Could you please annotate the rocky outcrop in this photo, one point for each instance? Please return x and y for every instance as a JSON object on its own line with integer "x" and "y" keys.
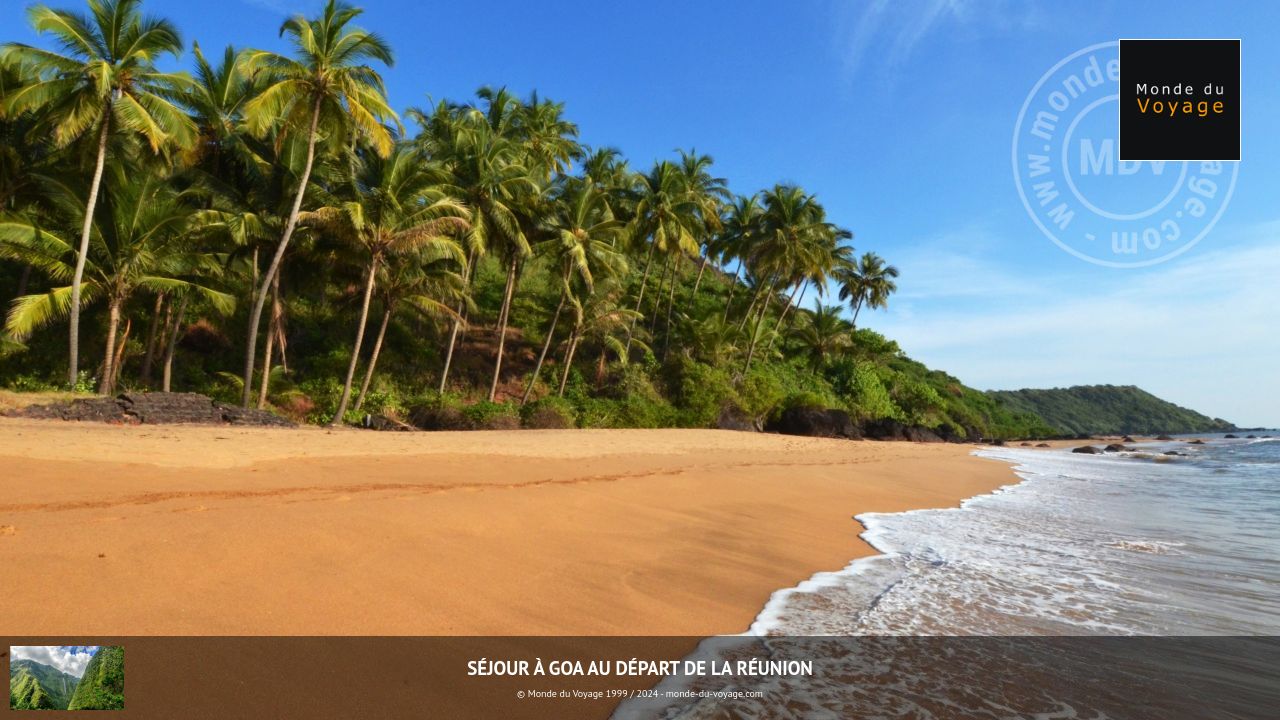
{"x": 815, "y": 422}
{"x": 1087, "y": 450}
{"x": 153, "y": 409}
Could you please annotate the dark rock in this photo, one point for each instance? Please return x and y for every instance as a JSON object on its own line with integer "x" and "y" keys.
{"x": 154, "y": 409}
{"x": 1025, "y": 444}
{"x": 1250, "y": 437}
{"x": 170, "y": 408}
{"x": 1229, "y": 436}
{"x": 1126, "y": 438}
{"x": 236, "y": 415}
{"x": 1173, "y": 452}
{"x": 915, "y": 433}
{"x": 884, "y": 429}
{"x": 815, "y": 422}
{"x": 1195, "y": 442}
{"x": 735, "y": 418}
{"x": 1042, "y": 445}
{"x": 1164, "y": 437}
{"x": 1087, "y": 450}
{"x": 1115, "y": 447}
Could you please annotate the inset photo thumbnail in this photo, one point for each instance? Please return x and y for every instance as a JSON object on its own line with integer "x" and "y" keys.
{"x": 66, "y": 677}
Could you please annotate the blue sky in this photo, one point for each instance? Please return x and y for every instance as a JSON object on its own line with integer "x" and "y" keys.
{"x": 899, "y": 115}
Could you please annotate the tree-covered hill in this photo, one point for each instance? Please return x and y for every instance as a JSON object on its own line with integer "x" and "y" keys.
{"x": 1108, "y": 409}
{"x": 260, "y": 228}
{"x": 36, "y": 686}
{"x": 102, "y": 687}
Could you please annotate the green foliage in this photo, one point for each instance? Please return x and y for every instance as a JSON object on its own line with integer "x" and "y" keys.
{"x": 1107, "y": 409}
{"x": 102, "y": 687}
{"x": 863, "y": 392}
{"x": 700, "y": 392}
{"x": 36, "y": 686}
{"x": 486, "y": 415}
{"x": 549, "y": 413}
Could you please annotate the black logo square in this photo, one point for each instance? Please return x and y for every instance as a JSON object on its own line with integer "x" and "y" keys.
{"x": 1179, "y": 99}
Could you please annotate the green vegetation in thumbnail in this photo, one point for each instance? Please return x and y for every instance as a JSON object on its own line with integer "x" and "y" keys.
{"x": 36, "y": 686}
{"x": 102, "y": 687}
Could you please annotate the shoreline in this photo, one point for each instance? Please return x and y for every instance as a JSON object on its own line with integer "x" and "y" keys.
{"x": 346, "y": 532}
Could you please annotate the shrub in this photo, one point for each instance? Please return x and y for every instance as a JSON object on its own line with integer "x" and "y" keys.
{"x": 486, "y": 415}
{"x": 549, "y": 413}
{"x": 701, "y": 393}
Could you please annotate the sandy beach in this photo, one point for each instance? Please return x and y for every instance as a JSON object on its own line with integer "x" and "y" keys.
{"x": 173, "y": 530}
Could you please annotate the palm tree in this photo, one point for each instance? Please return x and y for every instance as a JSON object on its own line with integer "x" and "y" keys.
{"x": 823, "y": 334}
{"x": 481, "y": 147}
{"x": 398, "y": 209}
{"x": 429, "y": 281}
{"x": 791, "y": 226}
{"x": 104, "y": 81}
{"x": 868, "y": 283}
{"x": 709, "y": 194}
{"x": 666, "y": 217}
{"x": 735, "y": 243}
{"x": 580, "y": 242}
{"x": 327, "y": 87}
{"x": 141, "y": 241}
{"x": 601, "y": 320}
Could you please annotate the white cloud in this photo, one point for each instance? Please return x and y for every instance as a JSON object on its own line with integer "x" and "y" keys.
{"x": 1199, "y": 331}
{"x": 70, "y": 659}
{"x": 891, "y": 31}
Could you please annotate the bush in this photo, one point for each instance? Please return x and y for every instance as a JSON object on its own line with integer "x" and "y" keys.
{"x": 549, "y": 413}
{"x": 701, "y": 393}
{"x": 486, "y": 415}
{"x": 864, "y": 393}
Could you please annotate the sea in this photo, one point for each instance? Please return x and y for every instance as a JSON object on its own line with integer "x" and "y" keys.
{"x": 1129, "y": 543}
{"x": 1135, "y": 584}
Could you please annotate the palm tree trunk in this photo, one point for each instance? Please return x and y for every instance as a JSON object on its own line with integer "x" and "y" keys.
{"x": 174, "y": 333}
{"x": 755, "y": 334}
{"x": 373, "y": 359}
{"x": 568, "y": 361}
{"x": 657, "y": 306}
{"x": 144, "y": 376}
{"x": 856, "y": 309}
{"x": 545, "y": 346}
{"x": 23, "y": 281}
{"x": 764, "y": 290}
{"x": 783, "y": 317}
{"x": 121, "y": 346}
{"x": 355, "y": 351}
{"x": 671, "y": 302}
{"x": 503, "y": 316}
{"x": 255, "y": 318}
{"x": 83, "y": 254}
{"x": 702, "y": 267}
{"x": 457, "y": 322}
{"x": 273, "y": 331}
{"x": 733, "y": 285}
{"x": 644, "y": 280}
{"x": 107, "y": 384}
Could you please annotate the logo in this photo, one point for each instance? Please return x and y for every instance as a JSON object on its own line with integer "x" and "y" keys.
{"x": 1082, "y": 196}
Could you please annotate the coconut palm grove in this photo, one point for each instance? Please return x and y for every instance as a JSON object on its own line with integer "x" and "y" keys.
{"x": 271, "y": 230}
